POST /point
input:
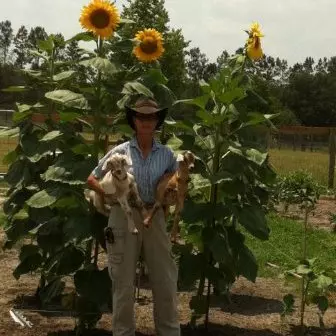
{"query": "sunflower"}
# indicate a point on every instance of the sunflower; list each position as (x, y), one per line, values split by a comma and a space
(100, 17)
(255, 30)
(253, 47)
(149, 47)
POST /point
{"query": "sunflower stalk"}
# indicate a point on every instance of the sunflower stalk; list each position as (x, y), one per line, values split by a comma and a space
(97, 123)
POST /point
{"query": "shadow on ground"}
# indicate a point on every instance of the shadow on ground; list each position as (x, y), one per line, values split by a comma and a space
(225, 330)
(247, 305)
(96, 332)
(53, 309)
(313, 331)
(214, 330)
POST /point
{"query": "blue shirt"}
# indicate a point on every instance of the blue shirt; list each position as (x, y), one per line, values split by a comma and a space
(146, 172)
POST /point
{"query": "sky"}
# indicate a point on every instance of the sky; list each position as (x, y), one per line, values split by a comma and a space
(294, 29)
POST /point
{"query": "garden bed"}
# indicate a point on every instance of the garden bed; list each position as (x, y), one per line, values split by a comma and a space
(255, 309)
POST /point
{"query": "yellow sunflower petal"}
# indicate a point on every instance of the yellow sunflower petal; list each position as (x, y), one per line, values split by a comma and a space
(149, 45)
(100, 17)
(254, 50)
(255, 30)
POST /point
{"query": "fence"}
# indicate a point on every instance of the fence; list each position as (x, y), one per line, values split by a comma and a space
(307, 138)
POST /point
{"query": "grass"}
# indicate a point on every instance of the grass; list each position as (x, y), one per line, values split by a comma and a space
(284, 247)
(286, 161)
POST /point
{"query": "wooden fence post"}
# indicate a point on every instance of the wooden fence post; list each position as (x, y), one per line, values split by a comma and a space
(332, 152)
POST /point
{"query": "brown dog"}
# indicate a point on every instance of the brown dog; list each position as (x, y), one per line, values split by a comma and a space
(171, 190)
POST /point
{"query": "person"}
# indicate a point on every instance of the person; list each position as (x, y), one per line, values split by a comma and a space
(150, 161)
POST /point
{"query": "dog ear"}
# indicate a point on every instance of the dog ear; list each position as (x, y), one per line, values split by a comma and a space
(108, 165)
(180, 157)
(126, 161)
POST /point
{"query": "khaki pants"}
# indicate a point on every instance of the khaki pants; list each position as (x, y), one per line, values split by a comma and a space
(162, 270)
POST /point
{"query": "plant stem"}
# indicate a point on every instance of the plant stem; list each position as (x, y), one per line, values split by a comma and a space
(305, 232)
(96, 252)
(304, 286)
(96, 123)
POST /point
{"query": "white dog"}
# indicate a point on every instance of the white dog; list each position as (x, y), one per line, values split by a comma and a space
(119, 186)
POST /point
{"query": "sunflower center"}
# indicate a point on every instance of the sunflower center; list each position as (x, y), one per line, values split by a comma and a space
(149, 45)
(100, 19)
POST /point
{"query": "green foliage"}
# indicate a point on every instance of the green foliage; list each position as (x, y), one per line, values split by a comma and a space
(48, 169)
(298, 187)
(230, 187)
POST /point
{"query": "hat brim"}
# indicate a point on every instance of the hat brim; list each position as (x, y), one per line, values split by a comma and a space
(131, 112)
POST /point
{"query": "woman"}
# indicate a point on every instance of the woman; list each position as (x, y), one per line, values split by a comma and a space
(150, 161)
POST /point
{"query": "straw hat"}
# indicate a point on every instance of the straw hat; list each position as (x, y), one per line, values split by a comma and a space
(146, 107)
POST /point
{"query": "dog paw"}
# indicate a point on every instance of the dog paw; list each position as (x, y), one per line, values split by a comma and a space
(134, 231)
(146, 222)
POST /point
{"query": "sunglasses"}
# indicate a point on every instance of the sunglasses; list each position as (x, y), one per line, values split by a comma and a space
(144, 117)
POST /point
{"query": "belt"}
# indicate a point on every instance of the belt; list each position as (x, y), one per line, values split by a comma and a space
(147, 206)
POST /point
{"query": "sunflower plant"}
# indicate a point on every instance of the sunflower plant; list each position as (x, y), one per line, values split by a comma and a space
(230, 187)
(48, 169)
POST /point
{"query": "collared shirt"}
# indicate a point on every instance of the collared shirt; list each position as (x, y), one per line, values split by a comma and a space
(146, 172)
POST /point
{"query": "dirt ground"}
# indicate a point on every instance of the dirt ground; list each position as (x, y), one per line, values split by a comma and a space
(320, 217)
(254, 311)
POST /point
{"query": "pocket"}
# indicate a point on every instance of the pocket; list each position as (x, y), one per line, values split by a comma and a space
(116, 252)
(115, 248)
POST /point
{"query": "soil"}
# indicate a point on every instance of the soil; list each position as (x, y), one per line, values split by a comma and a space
(320, 217)
(254, 310)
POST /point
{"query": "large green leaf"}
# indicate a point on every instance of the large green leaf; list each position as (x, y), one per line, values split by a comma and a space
(28, 250)
(135, 87)
(258, 118)
(18, 229)
(252, 217)
(10, 157)
(52, 290)
(18, 172)
(198, 305)
(49, 235)
(69, 116)
(154, 76)
(63, 75)
(77, 227)
(68, 260)
(199, 182)
(323, 282)
(251, 154)
(199, 101)
(84, 36)
(68, 98)
(124, 45)
(29, 264)
(189, 268)
(220, 249)
(18, 88)
(45, 198)
(9, 132)
(46, 45)
(101, 64)
(70, 169)
(34, 149)
(322, 303)
(52, 135)
(94, 284)
(232, 95)
(247, 264)
(174, 143)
